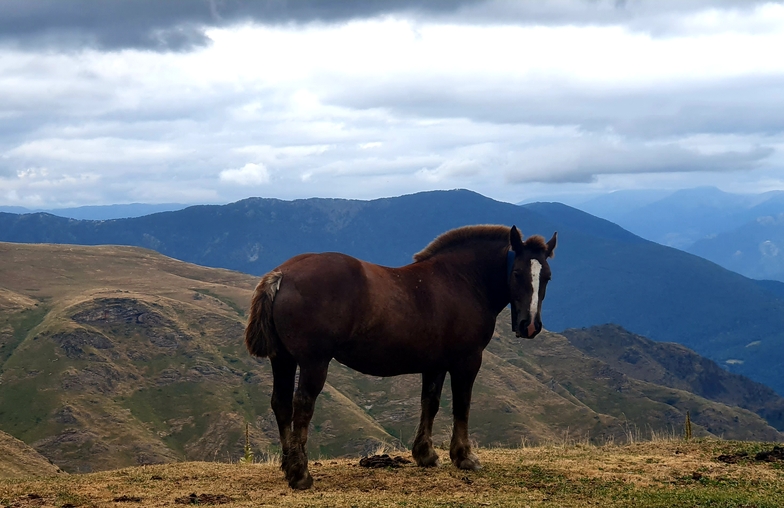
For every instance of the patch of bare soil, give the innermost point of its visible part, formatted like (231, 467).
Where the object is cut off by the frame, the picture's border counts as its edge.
(385, 460)
(774, 455)
(203, 499)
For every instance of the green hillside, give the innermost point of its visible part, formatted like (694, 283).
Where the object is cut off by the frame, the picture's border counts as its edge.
(117, 356)
(602, 273)
(19, 460)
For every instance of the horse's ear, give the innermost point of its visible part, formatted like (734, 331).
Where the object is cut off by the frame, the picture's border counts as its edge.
(516, 240)
(551, 245)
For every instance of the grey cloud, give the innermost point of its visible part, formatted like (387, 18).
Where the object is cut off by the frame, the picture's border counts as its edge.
(174, 25)
(658, 17)
(178, 25)
(580, 163)
(749, 105)
(169, 25)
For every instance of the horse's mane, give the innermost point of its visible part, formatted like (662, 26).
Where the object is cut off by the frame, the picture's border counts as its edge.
(460, 236)
(466, 234)
(536, 241)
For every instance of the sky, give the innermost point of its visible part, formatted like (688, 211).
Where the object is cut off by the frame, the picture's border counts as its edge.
(197, 101)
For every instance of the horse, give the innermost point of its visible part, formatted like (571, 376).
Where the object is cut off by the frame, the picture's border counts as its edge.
(433, 316)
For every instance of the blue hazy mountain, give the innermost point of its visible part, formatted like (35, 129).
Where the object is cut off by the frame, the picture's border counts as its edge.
(101, 212)
(602, 273)
(611, 205)
(681, 218)
(755, 249)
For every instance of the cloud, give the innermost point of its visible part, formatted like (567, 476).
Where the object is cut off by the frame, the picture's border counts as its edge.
(249, 174)
(324, 100)
(175, 25)
(583, 162)
(180, 25)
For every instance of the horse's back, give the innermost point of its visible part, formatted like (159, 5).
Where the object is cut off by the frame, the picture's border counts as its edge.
(378, 320)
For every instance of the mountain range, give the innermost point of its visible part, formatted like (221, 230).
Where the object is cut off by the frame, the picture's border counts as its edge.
(100, 212)
(683, 217)
(113, 356)
(741, 232)
(602, 273)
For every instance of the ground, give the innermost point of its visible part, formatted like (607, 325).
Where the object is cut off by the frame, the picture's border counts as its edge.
(666, 474)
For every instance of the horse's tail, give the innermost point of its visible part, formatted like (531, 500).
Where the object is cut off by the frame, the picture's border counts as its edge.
(261, 338)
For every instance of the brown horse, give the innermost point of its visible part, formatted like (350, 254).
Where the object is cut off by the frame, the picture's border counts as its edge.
(433, 316)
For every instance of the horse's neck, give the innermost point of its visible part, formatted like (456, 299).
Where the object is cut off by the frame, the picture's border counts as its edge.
(484, 271)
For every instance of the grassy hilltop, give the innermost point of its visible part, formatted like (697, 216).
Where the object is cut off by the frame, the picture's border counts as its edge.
(118, 356)
(663, 474)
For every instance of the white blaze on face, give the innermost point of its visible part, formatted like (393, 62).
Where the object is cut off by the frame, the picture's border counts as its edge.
(536, 269)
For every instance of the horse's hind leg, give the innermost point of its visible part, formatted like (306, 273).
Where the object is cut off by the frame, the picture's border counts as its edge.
(463, 377)
(422, 450)
(311, 381)
(284, 370)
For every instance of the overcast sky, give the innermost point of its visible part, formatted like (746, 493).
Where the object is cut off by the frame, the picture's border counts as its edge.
(196, 101)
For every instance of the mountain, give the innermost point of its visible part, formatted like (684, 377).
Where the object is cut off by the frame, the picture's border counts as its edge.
(114, 356)
(681, 218)
(100, 212)
(19, 460)
(674, 366)
(754, 249)
(601, 273)
(614, 206)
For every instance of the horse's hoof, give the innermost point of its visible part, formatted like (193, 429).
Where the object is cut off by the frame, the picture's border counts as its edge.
(469, 464)
(303, 483)
(431, 460)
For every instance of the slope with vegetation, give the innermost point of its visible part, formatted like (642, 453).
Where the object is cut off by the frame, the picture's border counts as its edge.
(115, 356)
(602, 273)
(18, 460)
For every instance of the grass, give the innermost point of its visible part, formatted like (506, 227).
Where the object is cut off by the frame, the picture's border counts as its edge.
(228, 301)
(21, 324)
(653, 474)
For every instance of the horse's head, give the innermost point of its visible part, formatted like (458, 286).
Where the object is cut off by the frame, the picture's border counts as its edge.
(528, 280)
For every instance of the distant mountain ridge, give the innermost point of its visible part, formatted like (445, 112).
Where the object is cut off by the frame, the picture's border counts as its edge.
(100, 212)
(755, 249)
(602, 273)
(682, 218)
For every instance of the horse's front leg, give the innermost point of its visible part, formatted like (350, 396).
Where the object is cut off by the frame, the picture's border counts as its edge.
(463, 376)
(422, 450)
(311, 381)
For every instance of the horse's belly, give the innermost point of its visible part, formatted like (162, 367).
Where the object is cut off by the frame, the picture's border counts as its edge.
(390, 363)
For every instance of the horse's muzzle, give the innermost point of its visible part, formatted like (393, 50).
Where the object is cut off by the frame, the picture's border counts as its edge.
(528, 329)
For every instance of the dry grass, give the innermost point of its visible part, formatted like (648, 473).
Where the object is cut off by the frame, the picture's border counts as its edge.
(663, 473)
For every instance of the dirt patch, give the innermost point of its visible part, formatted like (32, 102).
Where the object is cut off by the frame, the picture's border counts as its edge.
(774, 455)
(385, 460)
(733, 458)
(203, 499)
(127, 499)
